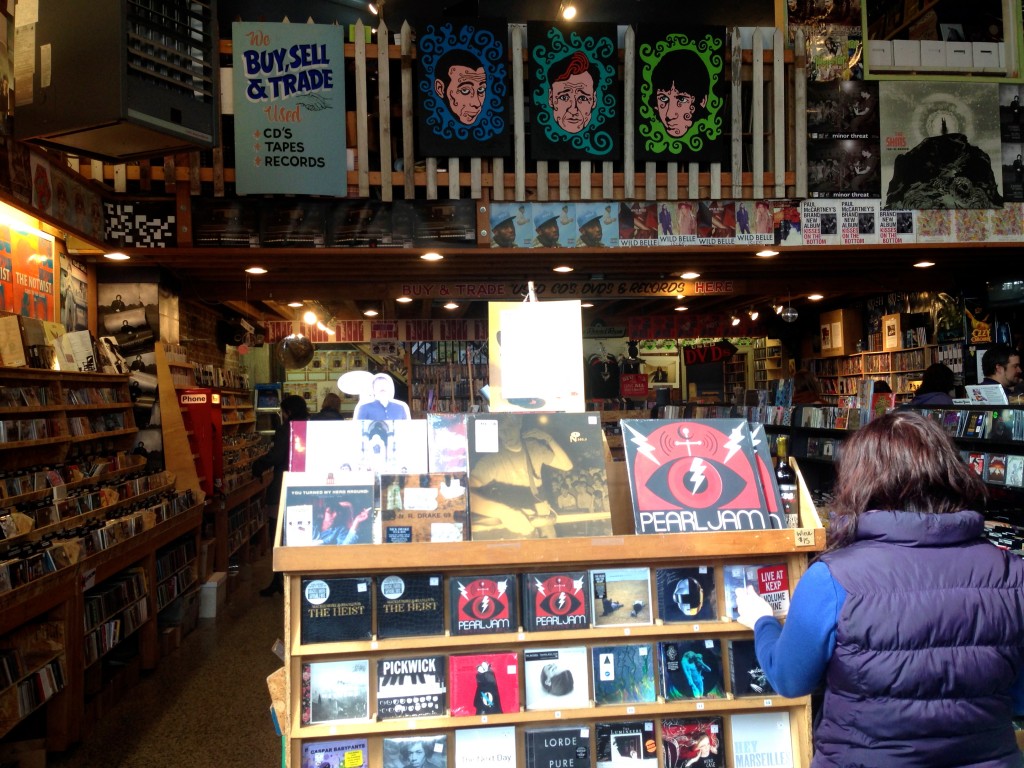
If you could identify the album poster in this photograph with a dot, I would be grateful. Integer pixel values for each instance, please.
(940, 141)
(1011, 134)
(427, 507)
(684, 229)
(716, 222)
(638, 224)
(597, 226)
(896, 227)
(842, 151)
(462, 90)
(574, 100)
(554, 225)
(754, 225)
(681, 95)
(786, 222)
(510, 225)
(820, 219)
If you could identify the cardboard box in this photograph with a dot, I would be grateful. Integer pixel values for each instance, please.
(960, 55)
(880, 54)
(933, 53)
(841, 329)
(212, 595)
(906, 53)
(986, 55)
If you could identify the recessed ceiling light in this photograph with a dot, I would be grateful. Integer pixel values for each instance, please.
(451, 305)
(766, 253)
(563, 268)
(432, 256)
(404, 299)
(920, 264)
(116, 256)
(587, 304)
(815, 297)
(256, 271)
(681, 308)
(310, 318)
(690, 275)
(371, 312)
(294, 303)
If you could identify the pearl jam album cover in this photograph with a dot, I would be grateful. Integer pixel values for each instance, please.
(765, 470)
(483, 683)
(567, 747)
(693, 741)
(411, 687)
(687, 594)
(555, 601)
(537, 475)
(691, 669)
(693, 476)
(482, 605)
(626, 744)
(335, 610)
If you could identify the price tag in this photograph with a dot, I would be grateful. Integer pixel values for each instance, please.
(627, 631)
(522, 636)
(803, 537)
(700, 705)
(373, 645)
(696, 627)
(630, 710)
(767, 702)
(483, 718)
(558, 714)
(412, 723)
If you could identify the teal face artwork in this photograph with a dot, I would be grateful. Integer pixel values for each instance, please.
(573, 92)
(679, 95)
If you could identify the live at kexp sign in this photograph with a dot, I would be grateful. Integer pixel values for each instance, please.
(569, 289)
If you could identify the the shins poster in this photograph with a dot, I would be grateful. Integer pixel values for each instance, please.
(574, 92)
(680, 95)
(462, 89)
(942, 146)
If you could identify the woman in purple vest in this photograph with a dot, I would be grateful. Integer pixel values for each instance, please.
(911, 620)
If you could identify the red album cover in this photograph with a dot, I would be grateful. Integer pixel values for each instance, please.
(483, 604)
(766, 473)
(690, 476)
(483, 684)
(694, 741)
(555, 601)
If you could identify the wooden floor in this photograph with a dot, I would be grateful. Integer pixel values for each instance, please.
(206, 704)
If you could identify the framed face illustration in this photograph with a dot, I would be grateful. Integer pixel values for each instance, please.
(574, 100)
(462, 90)
(680, 88)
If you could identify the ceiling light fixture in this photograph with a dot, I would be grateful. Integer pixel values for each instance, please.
(373, 9)
(432, 256)
(451, 305)
(815, 297)
(404, 299)
(734, 320)
(778, 309)
(753, 314)
(116, 256)
(681, 308)
(370, 312)
(919, 265)
(310, 318)
(563, 268)
(294, 304)
(767, 253)
(690, 275)
(567, 10)
(587, 304)
(256, 271)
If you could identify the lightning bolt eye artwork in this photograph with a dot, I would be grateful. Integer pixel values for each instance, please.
(692, 476)
(483, 604)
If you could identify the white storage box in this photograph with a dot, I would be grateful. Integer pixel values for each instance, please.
(879, 53)
(212, 595)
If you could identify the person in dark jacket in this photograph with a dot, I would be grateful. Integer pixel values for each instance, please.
(936, 386)
(330, 408)
(293, 408)
(911, 619)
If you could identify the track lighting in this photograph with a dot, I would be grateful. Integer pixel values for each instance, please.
(567, 10)
(753, 314)
(735, 320)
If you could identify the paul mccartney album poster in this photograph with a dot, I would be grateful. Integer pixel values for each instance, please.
(680, 95)
(941, 145)
(575, 107)
(687, 476)
(462, 89)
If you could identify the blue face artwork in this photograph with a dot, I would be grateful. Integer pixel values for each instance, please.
(464, 88)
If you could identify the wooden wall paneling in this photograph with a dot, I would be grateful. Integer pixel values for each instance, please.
(650, 181)
(607, 180)
(518, 114)
(672, 181)
(408, 151)
(692, 181)
(628, 103)
(169, 181)
(542, 180)
(384, 111)
(475, 178)
(778, 134)
(362, 114)
(716, 181)
(757, 116)
(563, 180)
(585, 188)
(736, 105)
(799, 134)
(431, 178)
(453, 178)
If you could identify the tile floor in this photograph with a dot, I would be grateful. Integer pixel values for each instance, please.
(206, 704)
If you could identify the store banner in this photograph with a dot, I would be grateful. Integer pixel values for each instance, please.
(289, 86)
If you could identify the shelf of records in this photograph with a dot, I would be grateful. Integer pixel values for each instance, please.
(500, 476)
(188, 373)
(245, 521)
(113, 611)
(32, 670)
(33, 553)
(902, 370)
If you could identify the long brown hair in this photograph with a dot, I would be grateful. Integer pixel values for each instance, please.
(902, 461)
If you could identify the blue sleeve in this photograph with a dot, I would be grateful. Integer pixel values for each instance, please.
(794, 656)
(1018, 695)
